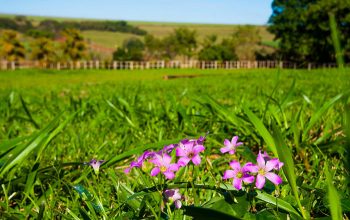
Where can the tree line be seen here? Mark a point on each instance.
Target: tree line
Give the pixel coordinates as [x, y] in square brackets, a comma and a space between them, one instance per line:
[182, 44]
[52, 28]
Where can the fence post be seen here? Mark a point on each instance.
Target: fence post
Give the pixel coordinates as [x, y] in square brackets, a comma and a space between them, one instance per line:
[97, 64]
[281, 64]
[309, 66]
[13, 65]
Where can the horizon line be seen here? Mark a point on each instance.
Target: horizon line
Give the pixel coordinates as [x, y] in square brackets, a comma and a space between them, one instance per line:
[131, 21]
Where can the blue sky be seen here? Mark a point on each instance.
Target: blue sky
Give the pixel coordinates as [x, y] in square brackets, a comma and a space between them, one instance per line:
[196, 11]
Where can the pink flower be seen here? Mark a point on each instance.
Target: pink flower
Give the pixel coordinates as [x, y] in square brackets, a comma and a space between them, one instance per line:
[238, 174]
[95, 164]
[231, 146]
[263, 170]
[138, 163]
[164, 165]
[189, 151]
[173, 196]
[267, 158]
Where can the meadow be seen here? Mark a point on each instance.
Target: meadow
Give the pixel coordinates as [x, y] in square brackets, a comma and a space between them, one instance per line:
[54, 122]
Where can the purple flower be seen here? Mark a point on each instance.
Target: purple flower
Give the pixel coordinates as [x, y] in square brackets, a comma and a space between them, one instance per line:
[139, 162]
[238, 174]
[231, 146]
[189, 151]
[173, 196]
[263, 170]
[200, 140]
[95, 164]
[164, 165]
[168, 149]
[267, 158]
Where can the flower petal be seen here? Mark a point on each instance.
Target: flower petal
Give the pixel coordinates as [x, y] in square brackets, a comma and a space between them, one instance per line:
[260, 160]
[237, 183]
[169, 175]
[183, 161]
[198, 148]
[166, 159]
[178, 204]
[274, 178]
[228, 174]
[235, 165]
[234, 140]
[232, 151]
[271, 164]
[155, 171]
[250, 167]
[196, 160]
[225, 149]
[127, 170]
[239, 144]
[260, 181]
[227, 143]
[174, 167]
[180, 152]
[248, 179]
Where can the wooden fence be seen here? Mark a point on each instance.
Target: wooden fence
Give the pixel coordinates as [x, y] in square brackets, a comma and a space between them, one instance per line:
[174, 64]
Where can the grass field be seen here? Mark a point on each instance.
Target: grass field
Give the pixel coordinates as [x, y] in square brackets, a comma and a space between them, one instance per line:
[53, 122]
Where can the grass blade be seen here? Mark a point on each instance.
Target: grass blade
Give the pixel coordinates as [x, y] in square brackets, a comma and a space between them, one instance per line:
[260, 127]
[333, 197]
[285, 155]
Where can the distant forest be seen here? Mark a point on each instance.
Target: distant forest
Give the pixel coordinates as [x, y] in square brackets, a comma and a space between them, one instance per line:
[52, 28]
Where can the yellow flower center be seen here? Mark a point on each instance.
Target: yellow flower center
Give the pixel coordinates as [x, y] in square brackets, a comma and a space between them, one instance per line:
[261, 171]
[239, 175]
[163, 169]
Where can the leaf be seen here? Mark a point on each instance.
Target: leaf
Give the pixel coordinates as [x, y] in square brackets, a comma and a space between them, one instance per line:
[39, 140]
[260, 127]
[333, 197]
[205, 213]
[285, 155]
[277, 202]
[316, 116]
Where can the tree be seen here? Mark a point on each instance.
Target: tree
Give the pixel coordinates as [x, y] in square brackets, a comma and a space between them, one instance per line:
[43, 50]
[212, 51]
[245, 42]
[153, 48]
[74, 46]
[132, 50]
[11, 47]
[303, 28]
[181, 42]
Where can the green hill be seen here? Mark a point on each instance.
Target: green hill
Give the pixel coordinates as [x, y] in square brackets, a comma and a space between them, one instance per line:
[105, 42]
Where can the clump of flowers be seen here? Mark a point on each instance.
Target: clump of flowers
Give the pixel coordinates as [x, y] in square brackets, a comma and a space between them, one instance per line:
[250, 171]
[185, 152]
[171, 158]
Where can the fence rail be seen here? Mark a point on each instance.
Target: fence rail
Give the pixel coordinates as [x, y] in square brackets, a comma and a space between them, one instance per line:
[174, 64]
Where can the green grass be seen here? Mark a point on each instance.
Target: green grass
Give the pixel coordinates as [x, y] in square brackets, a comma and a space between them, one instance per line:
[53, 121]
